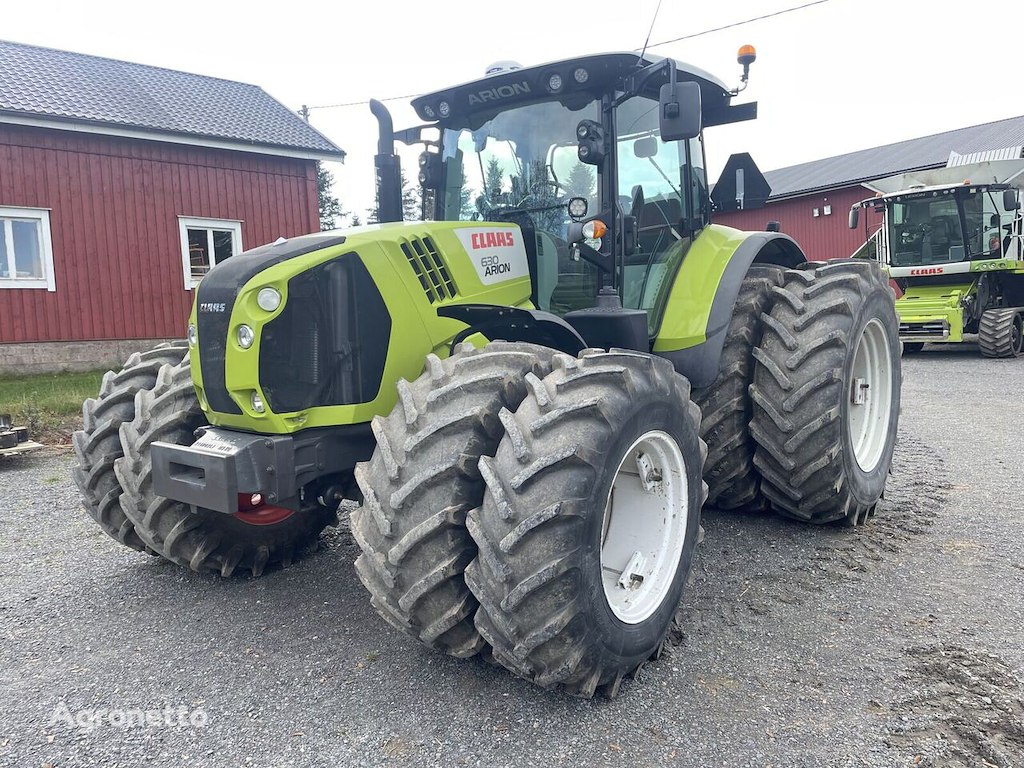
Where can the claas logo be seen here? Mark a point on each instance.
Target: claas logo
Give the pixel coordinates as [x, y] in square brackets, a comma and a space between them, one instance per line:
[491, 240]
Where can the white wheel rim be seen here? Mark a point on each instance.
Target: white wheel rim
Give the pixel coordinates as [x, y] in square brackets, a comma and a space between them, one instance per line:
[644, 529]
[870, 396]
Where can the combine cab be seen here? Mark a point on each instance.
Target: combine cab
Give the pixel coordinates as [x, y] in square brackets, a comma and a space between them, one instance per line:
[532, 395]
[952, 240]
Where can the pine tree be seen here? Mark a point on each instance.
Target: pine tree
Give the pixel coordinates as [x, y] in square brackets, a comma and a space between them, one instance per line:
[493, 181]
[581, 181]
[329, 206]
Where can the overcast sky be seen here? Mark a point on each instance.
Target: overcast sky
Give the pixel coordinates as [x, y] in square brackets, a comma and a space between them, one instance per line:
[835, 77]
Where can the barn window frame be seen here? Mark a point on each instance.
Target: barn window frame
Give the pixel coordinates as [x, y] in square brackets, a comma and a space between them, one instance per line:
[41, 218]
[185, 223]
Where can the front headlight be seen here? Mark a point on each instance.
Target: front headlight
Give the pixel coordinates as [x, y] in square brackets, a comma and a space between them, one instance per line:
[246, 336]
[193, 335]
[268, 299]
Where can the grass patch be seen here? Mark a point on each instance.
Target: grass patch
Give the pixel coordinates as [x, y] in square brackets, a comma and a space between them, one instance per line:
[49, 404]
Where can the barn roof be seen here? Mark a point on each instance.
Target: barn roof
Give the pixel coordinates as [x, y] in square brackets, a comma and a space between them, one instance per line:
[913, 154]
[78, 91]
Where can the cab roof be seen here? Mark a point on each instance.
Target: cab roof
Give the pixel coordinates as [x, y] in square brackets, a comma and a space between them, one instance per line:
[488, 95]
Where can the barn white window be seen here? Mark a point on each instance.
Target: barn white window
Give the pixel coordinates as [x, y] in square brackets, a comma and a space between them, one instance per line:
[26, 253]
[206, 242]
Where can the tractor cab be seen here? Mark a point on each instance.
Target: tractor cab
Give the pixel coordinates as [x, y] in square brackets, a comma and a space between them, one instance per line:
[599, 160]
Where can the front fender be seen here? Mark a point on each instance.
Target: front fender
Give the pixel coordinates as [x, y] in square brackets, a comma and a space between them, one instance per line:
[704, 292]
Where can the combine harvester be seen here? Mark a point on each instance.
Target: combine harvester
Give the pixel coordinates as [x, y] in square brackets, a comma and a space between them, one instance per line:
[532, 395]
[952, 240]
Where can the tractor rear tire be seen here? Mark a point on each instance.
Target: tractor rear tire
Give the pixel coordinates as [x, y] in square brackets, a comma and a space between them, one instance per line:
[726, 408]
[203, 540]
[826, 392]
[422, 480]
[98, 444]
[1000, 332]
[602, 459]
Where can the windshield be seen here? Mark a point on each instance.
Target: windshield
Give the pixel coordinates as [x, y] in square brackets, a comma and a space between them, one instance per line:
[522, 166]
[926, 231]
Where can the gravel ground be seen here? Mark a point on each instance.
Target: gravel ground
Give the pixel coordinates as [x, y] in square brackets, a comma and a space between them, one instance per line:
[891, 645]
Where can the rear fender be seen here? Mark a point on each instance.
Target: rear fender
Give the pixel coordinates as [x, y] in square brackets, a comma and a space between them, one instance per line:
[705, 290]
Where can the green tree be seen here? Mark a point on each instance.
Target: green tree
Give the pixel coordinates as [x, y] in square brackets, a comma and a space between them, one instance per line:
[329, 205]
[412, 200]
[581, 181]
[493, 181]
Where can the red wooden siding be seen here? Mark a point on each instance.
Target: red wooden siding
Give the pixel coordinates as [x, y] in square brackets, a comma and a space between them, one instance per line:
[822, 237]
[114, 206]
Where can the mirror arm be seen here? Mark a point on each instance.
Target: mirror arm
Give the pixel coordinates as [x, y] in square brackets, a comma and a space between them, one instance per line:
[635, 83]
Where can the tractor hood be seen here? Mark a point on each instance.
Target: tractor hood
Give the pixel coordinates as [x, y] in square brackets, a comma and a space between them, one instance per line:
[316, 330]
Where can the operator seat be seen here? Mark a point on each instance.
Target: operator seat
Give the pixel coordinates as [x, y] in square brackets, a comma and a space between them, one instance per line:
[940, 237]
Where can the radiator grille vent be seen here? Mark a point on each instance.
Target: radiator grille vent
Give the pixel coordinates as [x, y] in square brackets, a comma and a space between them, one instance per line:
[933, 329]
[431, 270]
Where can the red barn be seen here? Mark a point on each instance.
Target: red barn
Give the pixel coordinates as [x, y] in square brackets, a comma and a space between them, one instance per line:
[120, 185]
[811, 201]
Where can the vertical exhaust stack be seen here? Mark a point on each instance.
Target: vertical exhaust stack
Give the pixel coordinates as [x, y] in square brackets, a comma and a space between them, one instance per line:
[388, 167]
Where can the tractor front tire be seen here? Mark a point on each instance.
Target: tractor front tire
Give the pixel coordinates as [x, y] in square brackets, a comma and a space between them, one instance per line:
[726, 408]
[204, 540]
[589, 522]
[1000, 332]
[826, 392]
[98, 444]
[422, 480]
[912, 347]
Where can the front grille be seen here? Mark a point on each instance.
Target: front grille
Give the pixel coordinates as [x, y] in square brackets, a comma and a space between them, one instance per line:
[933, 329]
[329, 344]
[431, 270]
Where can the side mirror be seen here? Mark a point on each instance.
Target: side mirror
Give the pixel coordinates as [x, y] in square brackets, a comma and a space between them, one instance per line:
[590, 138]
[1010, 201]
[854, 217]
[645, 147]
[679, 108]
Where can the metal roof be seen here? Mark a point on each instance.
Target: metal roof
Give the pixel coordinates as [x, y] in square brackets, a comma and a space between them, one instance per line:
[914, 154]
[44, 83]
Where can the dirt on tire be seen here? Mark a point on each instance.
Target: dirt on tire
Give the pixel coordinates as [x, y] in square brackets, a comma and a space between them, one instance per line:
[422, 480]
[203, 540]
[726, 407]
[98, 444]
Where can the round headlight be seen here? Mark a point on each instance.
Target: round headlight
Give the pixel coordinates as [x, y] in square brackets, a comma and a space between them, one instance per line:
[246, 336]
[429, 112]
[580, 75]
[555, 82]
[257, 402]
[578, 207]
[444, 109]
[193, 335]
[268, 299]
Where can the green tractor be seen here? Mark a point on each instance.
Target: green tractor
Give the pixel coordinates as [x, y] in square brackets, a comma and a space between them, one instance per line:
[531, 396]
[955, 247]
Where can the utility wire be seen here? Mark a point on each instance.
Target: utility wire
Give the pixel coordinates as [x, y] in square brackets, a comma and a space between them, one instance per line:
[306, 109]
[738, 23]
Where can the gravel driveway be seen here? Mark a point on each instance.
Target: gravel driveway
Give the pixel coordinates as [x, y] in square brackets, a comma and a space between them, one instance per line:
[891, 645]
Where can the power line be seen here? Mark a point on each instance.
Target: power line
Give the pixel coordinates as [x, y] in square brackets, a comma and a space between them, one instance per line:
[365, 101]
[738, 23]
[734, 24]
